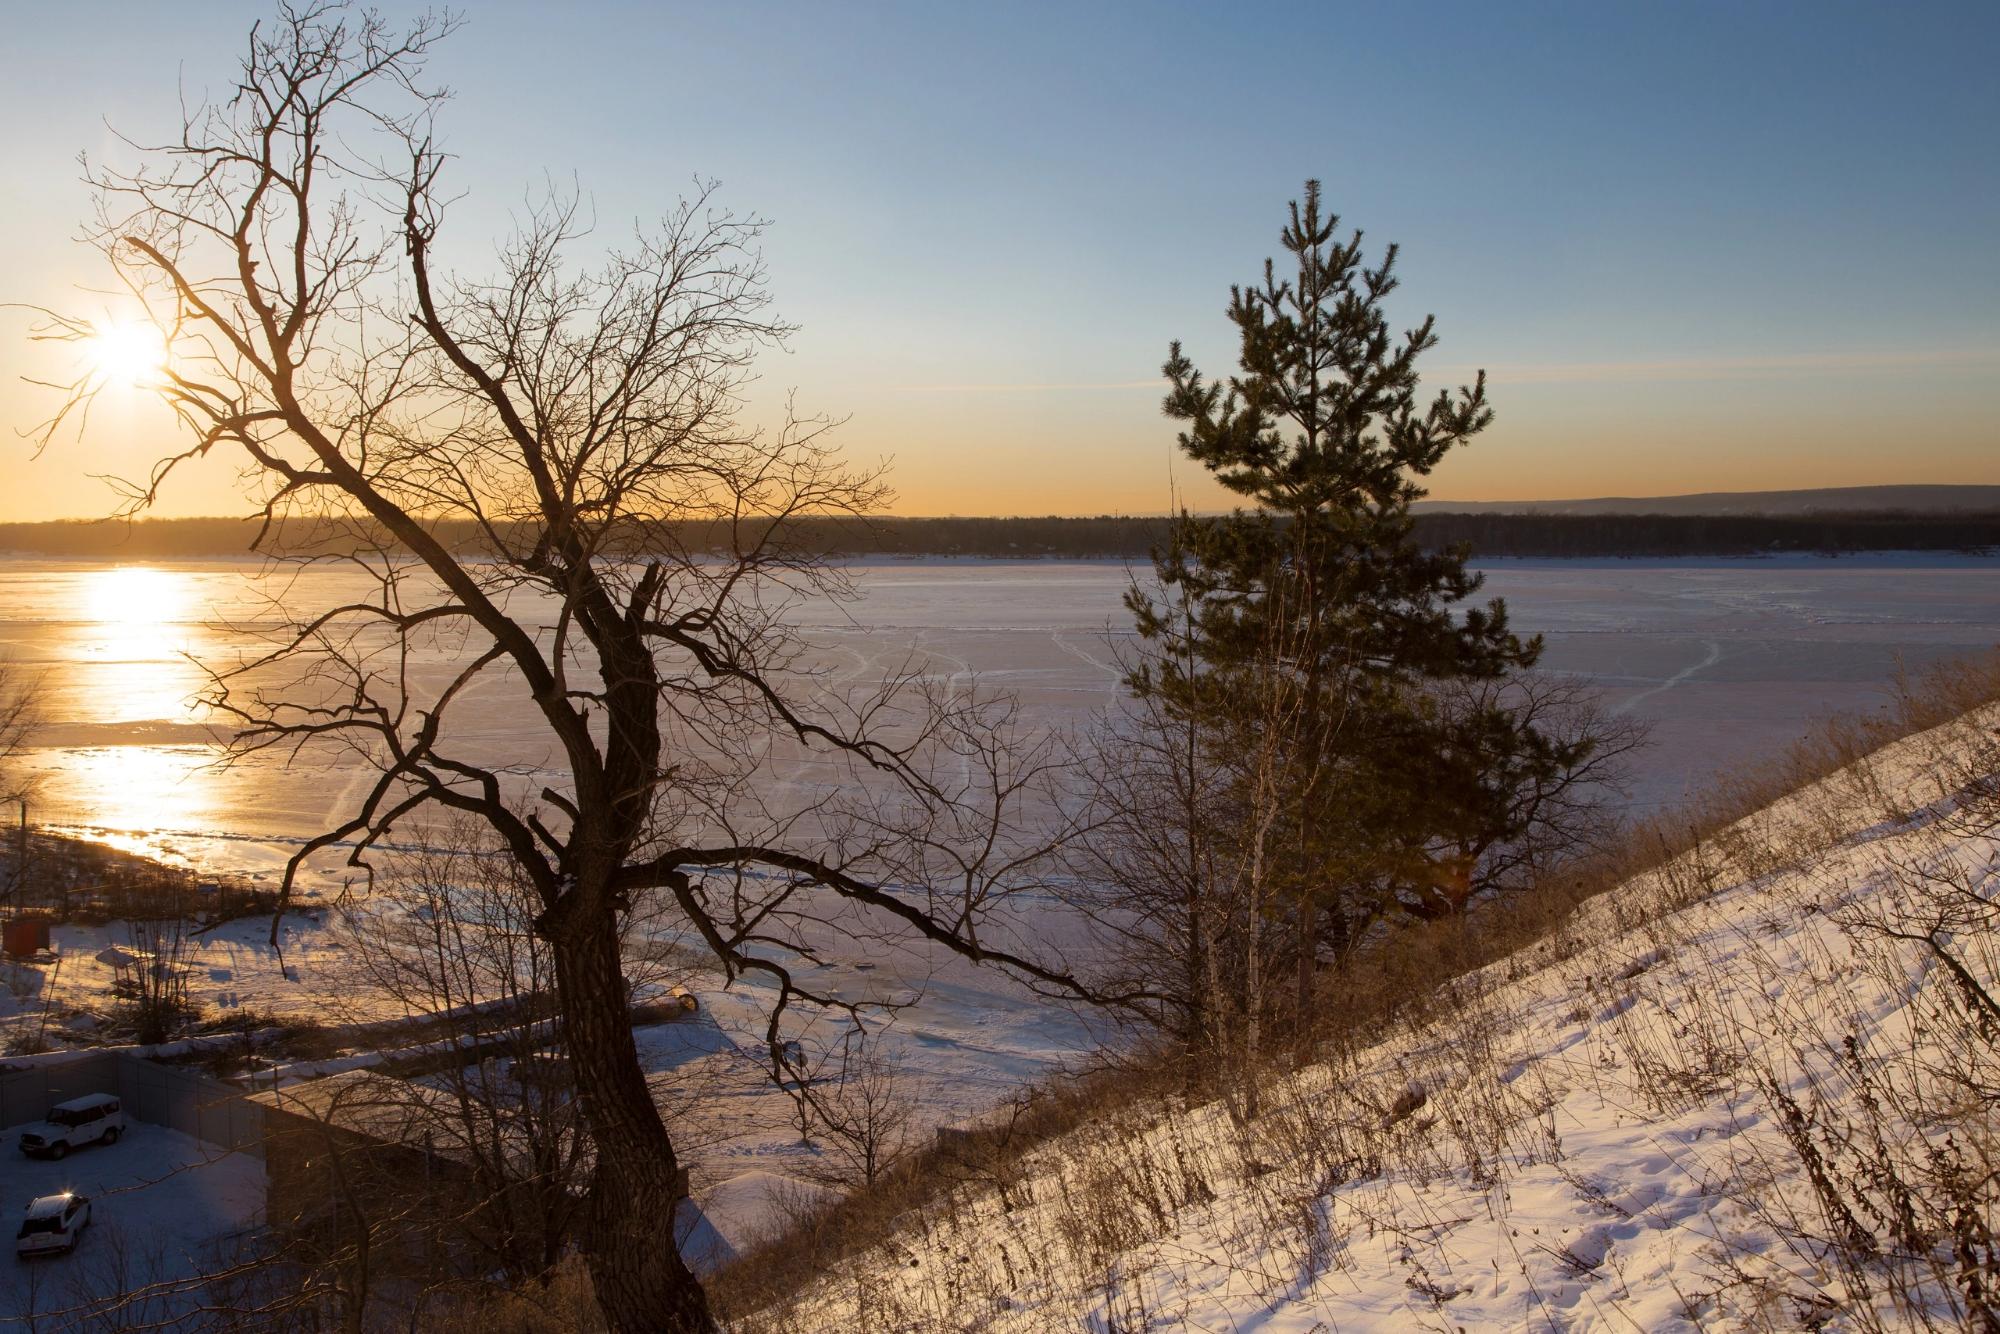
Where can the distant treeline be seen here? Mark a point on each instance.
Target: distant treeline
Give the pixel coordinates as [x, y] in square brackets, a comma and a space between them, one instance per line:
[1122, 537]
[1709, 534]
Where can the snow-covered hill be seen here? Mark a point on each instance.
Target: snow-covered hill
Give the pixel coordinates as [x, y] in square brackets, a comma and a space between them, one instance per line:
[1755, 1089]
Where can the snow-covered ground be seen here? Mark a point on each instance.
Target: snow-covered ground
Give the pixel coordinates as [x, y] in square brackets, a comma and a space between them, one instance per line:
[971, 1040]
[231, 970]
[164, 1207]
[1722, 1097]
[955, 1039]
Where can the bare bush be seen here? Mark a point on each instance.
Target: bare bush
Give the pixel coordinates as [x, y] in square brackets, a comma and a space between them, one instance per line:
[151, 979]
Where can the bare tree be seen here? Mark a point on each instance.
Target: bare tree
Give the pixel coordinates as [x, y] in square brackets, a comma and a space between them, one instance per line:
[1282, 764]
[20, 715]
[1152, 876]
[1192, 873]
[541, 491]
[862, 1114]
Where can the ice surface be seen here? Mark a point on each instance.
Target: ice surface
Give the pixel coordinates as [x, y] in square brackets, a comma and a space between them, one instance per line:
[1729, 659]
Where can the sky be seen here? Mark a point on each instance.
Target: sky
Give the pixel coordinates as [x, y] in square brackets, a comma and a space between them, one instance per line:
[1696, 247]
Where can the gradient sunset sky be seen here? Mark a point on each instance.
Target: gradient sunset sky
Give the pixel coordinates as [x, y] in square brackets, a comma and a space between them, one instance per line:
[1696, 247]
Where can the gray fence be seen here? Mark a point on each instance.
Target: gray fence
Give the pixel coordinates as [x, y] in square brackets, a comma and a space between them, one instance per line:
[213, 1112]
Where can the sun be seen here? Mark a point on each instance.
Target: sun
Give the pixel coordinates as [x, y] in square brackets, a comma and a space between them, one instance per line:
[127, 352]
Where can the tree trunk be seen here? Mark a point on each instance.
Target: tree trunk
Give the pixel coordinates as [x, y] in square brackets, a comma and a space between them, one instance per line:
[1253, 979]
[627, 1237]
[1195, 987]
[1305, 981]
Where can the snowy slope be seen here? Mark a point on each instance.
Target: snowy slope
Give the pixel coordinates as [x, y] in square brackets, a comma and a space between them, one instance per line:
[1723, 1097]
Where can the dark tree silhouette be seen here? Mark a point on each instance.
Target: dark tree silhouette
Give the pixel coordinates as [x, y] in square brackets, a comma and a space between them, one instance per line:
[510, 466]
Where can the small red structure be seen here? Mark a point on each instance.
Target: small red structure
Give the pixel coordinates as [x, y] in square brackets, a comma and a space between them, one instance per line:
[25, 936]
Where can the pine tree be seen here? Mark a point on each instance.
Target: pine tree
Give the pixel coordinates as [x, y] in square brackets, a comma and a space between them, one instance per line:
[1320, 580]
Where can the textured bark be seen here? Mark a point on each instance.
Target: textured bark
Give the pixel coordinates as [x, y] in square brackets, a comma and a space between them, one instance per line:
[627, 1238]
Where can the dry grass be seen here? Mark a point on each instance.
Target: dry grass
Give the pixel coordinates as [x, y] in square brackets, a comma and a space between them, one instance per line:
[1077, 1195]
[1133, 1159]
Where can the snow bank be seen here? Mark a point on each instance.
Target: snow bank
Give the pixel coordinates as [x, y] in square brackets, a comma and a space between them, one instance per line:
[1727, 1095]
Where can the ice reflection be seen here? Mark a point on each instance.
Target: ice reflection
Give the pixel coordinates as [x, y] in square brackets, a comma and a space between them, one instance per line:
[134, 638]
[133, 685]
[132, 796]
[125, 745]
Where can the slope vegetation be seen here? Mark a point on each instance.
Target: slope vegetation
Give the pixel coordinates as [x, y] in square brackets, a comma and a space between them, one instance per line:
[1755, 1088]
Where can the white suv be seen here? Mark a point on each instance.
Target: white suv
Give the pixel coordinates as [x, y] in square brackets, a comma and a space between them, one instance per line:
[52, 1224]
[73, 1124]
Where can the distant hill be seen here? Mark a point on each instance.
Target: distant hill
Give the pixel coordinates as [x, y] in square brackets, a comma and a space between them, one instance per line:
[1820, 500]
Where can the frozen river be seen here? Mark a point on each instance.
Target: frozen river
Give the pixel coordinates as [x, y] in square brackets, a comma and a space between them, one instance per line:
[1728, 659]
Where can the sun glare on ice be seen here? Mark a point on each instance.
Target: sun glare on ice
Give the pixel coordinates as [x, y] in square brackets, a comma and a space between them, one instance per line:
[135, 635]
[136, 599]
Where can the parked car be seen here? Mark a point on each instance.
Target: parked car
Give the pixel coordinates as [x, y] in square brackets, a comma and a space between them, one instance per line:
[73, 1124]
[52, 1224]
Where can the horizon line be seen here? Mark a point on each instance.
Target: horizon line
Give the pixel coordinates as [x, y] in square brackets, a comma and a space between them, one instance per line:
[1426, 501]
[1573, 372]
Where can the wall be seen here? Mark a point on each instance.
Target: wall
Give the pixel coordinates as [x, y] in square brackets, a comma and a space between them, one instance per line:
[211, 1111]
